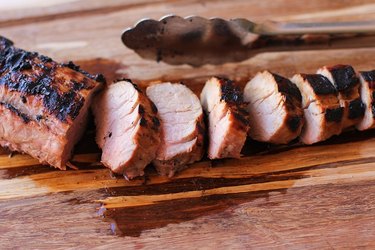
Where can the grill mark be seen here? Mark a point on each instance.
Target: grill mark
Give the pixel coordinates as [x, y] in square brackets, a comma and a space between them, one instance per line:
[356, 109]
[320, 84]
[344, 77]
[39, 117]
[293, 101]
[155, 122]
[230, 92]
[242, 118]
[369, 77]
[153, 108]
[373, 109]
[294, 122]
[141, 109]
[334, 115]
[23, 99]
[26, 119]
[42, 80]
[98, 78]
[287, 88]
[4, 43]
[143, 122]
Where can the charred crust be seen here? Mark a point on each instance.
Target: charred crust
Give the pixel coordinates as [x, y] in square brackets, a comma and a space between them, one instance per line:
[320, 84]
[124, 79]
[373, 95]
[155, 122]
[26, 66]
[294, 122]
[63, 105]
[334, 115]
[143, 122]
[230, 92]
[344, 76]
[43, 81]
[356, 109]
[130, 81]
[286, 87]
[77, 85]
[23, 116]
[141, 109]
[23, 99]
[373, 109]
[110, 135]
[4, 42]
[153, 108]
[136, 87]
[369, 76]
[241, 117]
[39, 117]
[98, 78]
[45, 59]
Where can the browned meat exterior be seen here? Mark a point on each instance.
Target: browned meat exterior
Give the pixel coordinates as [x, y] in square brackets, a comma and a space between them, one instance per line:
[228, 121]
[181, 115]
[275, 108]
[127, 128]
[321, 106]
[367, 90]
[43, 104]
[347, 84]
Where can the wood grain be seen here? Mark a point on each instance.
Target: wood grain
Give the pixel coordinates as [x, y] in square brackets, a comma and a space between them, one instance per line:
[283, 197]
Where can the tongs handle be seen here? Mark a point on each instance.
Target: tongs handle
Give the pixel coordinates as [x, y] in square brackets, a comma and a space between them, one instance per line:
[281, 28]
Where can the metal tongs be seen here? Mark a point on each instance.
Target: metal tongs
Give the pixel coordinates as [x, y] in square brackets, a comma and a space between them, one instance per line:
[196, 41]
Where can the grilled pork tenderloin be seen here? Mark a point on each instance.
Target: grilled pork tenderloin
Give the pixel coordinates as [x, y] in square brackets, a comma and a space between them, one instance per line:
[127, 128]
[275, 108]
[228, 123]
[367, 90]
[322, 110]
[43, 104]
[181, 115]
[347, 84]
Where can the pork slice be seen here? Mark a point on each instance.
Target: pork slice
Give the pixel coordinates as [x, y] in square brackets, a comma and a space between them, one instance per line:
[275, 109]
[228, 123]
[367, 90]
[51, 101]
[345, 80]
[127, 128]
[323, 113]
[181, 115]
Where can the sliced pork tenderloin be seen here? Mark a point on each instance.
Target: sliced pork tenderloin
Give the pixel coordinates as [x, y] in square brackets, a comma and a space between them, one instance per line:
[222, 101]
[322, 110]
[43, 104]
[367, 90]
[347, 84]
[127, 128]
[181, 115]
[275, 108]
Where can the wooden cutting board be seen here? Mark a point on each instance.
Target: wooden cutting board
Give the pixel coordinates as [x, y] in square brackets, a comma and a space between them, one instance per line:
[320, 196]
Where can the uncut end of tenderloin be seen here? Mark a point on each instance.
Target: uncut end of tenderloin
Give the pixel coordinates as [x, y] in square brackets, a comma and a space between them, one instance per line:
[43, 104]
